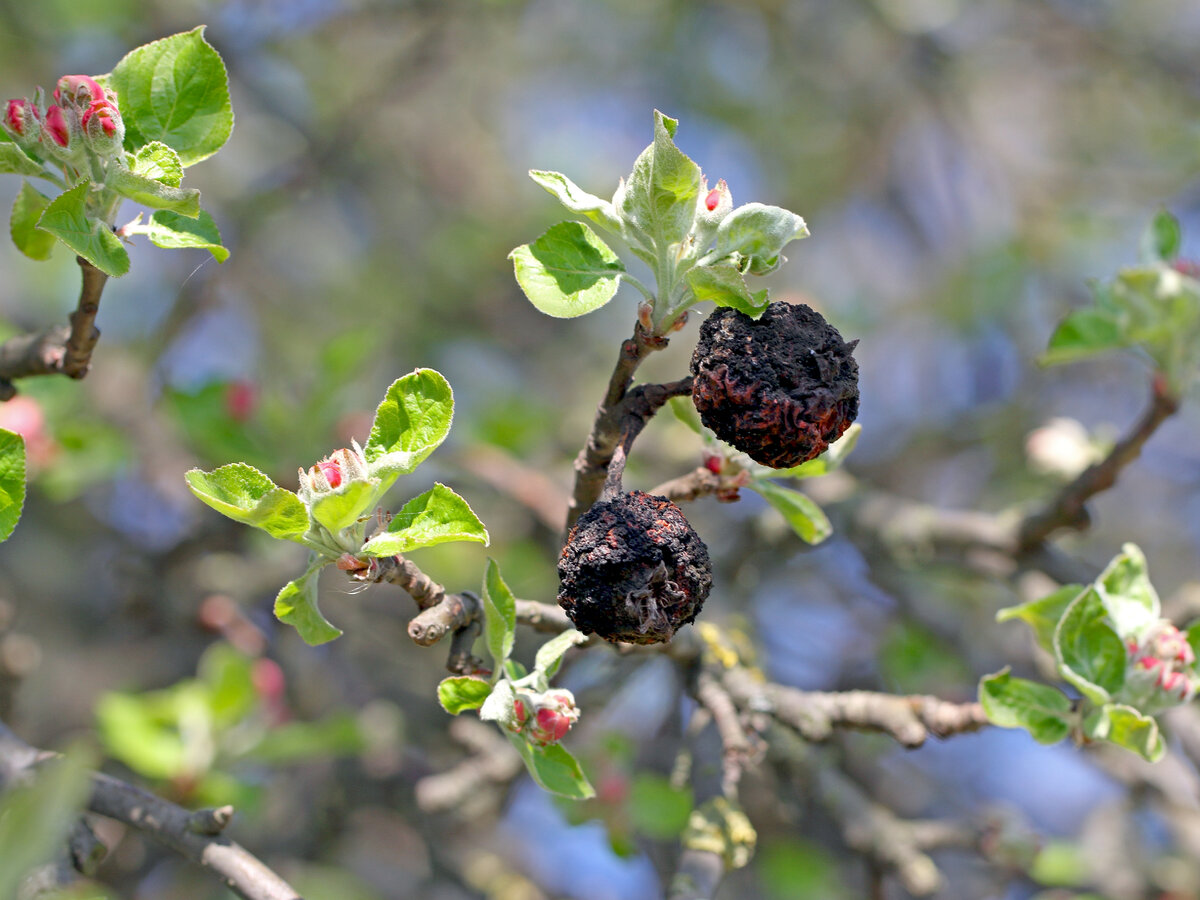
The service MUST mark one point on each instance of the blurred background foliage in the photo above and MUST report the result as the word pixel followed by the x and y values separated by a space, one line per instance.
pixel 964 167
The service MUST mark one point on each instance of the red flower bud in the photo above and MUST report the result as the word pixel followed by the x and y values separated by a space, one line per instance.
pixel 332 470
pixel 80 90
pixel 19 115
pixel 104 113
pixel 713 198
pixel 556 713
pixel 56 126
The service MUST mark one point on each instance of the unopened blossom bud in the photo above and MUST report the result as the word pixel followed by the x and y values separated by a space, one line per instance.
pixel 1161 664
pixel 339 468
pixel 61 133
pixel 22 122
pixel 553 717
pixel 80 91
pixel 711 208
pixel 103 127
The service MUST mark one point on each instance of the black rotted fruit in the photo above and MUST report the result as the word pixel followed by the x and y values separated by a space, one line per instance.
pixel 779 388
pixel 633 570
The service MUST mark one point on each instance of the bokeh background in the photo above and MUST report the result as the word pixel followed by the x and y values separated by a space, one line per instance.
pixel 964 168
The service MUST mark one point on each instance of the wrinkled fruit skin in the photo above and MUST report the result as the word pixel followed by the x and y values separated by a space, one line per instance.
pixel 633 570
pixel 780 388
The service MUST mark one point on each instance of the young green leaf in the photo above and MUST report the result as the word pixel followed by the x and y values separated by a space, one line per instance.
pixel 413 419
pixel 435 517
pixel 66 218
pixel 550 654
pixel 344 505
pixel 831 459
pixel 35 817
pixel 462 692
pixel 12 481
pixel 13 160
pixel 806 518
pixel 1162 239
pixel 569 271
pixel 1043 711
pixel 500 615
pixel 158 161
pixel 685 411
pixel 171 231
pixel 725 286
pixel 1043 614
pixel 1090 655
pixel 659 198
pixel 657 808
pixel 246 495
pixel 27 210
pixel 1129 597
pixel 554 769
pixel 498 706
pixel 175 90
pixel 578 200
pixel 155 194
pixel 759 233
pixel 1126 727
pixel 338 734
pixel 296 605
pixel 1083 333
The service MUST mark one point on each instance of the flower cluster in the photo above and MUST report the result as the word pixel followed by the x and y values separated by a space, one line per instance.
pixel 338 468
pixel 83 119
pixel 544 718
pixel 1162 663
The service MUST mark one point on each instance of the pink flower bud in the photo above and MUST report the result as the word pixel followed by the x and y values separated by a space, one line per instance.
pixel 1187 267
pixel 78 90
pixel 57 128
pixel 713 198
pixel 332 470
pixel 331 473
pixel 21 119
pixel 103 128
pixel 106 116
pixel 556 713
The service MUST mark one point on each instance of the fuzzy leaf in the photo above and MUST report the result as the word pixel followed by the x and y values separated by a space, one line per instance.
pixel 1041 710
pixel 550 654
pixel 659 198
pixel 578 200
pixel 1129 597
pixel 13 160
pixel 175 90
pixel 158 161
pixel 569 271
pixel 1043 614
pixel 66 218
pixel 413 419
pixel 296 605
pixel 1090 654
pixel 343 506
pixel 246 495
pixel 155 194
pixel 435 517
pixel 498 705
pixel 462 692
pixel 759 233
pixel 725 286
pixel 171 231
pixel 807 519
pixel 1128 728
pixel 27 210
pixel 554 769
pixel 831 459
pixel 500 615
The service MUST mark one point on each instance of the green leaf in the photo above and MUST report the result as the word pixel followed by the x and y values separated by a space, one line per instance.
pixel 578 200
pixel 1129 597
pixel 336 735
pixel 759 233
pixel 1043 615
pixel 66 218
pixel 435 517
pixel 1192 633
pixel 171 231
pixel 569 271
pixel 498 706
pixel 158 161
pixel 13 160
pixel 462 692
pixel 410 423
pixel 1090 654
pixel 12 481
pixel 35 818
pixel 659 198
pixel 345 505
pixel 806 518
pixel 1162 239
pixel 1043 711
pixel 554 769
pixel 1128 728
pixel 550 654
pixel 155 194
pixel 143 730
pixel 296 605
pixel 27 210
pixel 227 674
pixel 500 615
pixel 657 809
pixel 724 285
pixel 685 411
pixel 831 459
pixel 1083 333
pixel 246 495
pixel 175 90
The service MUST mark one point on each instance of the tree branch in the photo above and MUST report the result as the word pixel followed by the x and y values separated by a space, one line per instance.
pixel 1068 508
pixel 84 333
pixel 186 832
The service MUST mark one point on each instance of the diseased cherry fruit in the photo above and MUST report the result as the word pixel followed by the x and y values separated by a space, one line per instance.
pixel 779 388
pixel 633 570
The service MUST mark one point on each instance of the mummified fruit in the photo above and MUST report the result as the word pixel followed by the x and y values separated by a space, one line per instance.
pixel 779 388
pixel 633 570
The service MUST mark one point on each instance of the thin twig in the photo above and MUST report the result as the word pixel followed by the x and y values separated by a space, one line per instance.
pixel 1068 509
pixel 84 333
